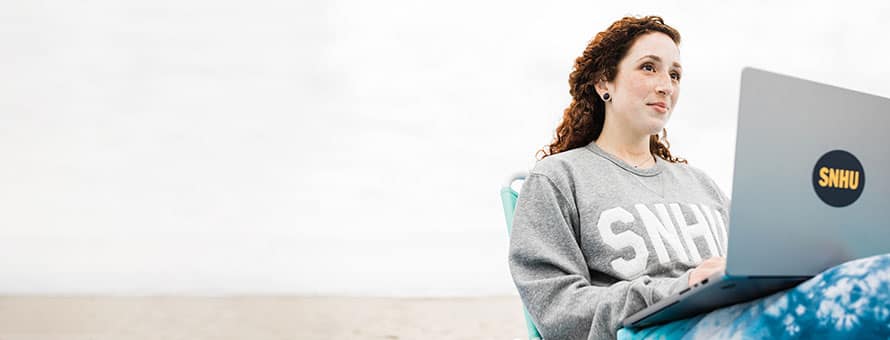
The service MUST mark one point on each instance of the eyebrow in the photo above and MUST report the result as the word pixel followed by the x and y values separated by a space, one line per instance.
pixel 652 56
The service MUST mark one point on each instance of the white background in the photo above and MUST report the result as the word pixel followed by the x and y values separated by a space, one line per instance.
pixel 334 148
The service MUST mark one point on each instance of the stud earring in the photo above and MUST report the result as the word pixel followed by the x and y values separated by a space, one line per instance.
pixel 606 97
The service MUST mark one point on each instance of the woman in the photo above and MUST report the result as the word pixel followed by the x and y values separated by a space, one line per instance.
pixel 609 222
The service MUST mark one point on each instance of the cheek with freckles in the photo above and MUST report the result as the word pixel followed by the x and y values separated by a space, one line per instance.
pixel 641 88
pixel 675 98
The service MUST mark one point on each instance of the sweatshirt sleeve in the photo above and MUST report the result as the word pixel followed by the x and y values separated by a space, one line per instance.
pixel 553 278
pixel 724 200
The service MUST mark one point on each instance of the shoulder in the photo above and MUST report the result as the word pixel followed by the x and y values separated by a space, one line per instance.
pixel 563 169
pixel 692 171
pixel 563 166
pixel 694 174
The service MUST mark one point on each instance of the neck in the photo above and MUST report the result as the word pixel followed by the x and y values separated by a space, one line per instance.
pixel 631 148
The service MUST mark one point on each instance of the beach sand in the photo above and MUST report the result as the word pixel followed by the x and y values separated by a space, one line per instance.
pixel 268 317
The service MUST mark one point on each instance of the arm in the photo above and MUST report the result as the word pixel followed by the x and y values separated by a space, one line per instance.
pixel 552 275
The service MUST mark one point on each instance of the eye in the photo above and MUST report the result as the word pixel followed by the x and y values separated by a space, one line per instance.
pixel 675 76
pixel 648 67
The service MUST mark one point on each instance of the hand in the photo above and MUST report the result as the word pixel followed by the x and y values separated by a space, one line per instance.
pixel 707 268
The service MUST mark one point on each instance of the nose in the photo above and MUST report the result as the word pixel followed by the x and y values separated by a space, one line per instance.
pixel 665 86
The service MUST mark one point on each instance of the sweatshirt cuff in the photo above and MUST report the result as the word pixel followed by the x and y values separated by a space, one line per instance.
pixel 680 283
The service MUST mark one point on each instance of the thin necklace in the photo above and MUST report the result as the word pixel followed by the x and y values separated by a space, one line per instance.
pixel 635 166
pixel 644 161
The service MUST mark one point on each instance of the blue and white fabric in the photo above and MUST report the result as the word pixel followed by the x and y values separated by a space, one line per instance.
pixel 850 301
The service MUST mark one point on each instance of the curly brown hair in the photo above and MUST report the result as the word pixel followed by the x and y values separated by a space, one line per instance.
pixel 582 122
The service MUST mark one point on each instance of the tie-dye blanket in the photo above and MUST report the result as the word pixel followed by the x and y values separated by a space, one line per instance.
pixel 850 301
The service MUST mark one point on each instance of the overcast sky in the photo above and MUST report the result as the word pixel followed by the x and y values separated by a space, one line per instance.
pixel 339 147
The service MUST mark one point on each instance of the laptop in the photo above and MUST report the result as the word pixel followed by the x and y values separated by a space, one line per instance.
pixel 811 190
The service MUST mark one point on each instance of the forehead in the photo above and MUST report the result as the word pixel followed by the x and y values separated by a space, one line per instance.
pixel 655 43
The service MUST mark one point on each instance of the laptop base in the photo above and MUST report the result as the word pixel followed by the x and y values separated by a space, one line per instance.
pixel 713 293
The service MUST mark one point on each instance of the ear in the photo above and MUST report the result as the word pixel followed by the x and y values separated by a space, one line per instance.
pixel 603 87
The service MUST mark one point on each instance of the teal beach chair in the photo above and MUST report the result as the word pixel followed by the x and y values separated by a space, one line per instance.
pixel 508 198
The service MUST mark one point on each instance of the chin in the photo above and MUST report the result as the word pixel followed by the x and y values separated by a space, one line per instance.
pixel 656 129
pixel 658 126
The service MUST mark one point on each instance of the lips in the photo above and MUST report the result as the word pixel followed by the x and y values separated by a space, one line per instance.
pixel 660 107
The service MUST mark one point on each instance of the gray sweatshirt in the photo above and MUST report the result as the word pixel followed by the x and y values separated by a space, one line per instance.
pixel 595 240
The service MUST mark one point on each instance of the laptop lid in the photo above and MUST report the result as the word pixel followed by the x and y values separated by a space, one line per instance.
pixel 811 185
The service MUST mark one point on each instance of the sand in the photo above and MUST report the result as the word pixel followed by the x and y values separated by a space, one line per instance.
pixel 107 318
